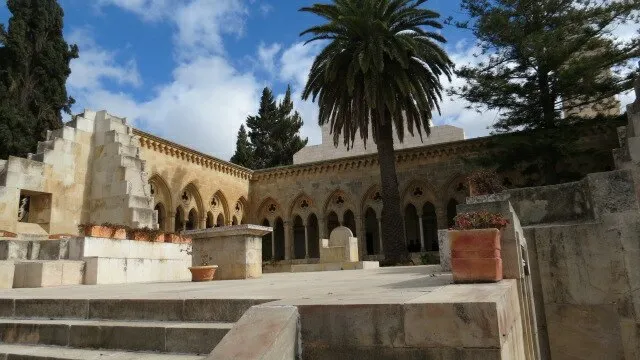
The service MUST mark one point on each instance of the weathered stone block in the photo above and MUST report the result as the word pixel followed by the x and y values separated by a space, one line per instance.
pixel 6 274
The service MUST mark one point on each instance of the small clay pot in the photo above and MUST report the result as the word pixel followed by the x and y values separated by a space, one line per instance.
pixel 203 273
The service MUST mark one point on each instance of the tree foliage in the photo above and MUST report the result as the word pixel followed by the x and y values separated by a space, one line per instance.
pixel 34 66
pixel 545 64
pixel 273 135
pixel 379 70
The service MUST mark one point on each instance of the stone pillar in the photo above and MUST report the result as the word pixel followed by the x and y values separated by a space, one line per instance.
pixel 422 248
pixel 322 231
pixel 203 223
pixel 288 230
pixel 380 235
pixel 359 234
pixel 171 221
pixel 306 242
pixel 273 245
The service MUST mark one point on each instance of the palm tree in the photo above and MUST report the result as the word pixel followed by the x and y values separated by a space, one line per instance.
pixel 380 70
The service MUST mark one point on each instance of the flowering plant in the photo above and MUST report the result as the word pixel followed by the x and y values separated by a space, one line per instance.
pixel 479 220
pixel 485 182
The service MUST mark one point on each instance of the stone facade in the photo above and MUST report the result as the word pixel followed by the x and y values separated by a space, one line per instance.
pixel 328 151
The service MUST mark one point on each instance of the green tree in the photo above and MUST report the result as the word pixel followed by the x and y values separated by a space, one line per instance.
pixel 273 135
pixel 244 150
pixel 380 69
pixel 34 66
pixel 548 63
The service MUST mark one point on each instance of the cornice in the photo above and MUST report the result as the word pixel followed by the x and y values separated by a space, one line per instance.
pixel 172 149
pixel 443 151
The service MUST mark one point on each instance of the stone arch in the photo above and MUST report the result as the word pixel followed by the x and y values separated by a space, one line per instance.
pixel 372 199
pixel 161 212
pixel 419 192
pixel 269 209
pixel 278 238
pixel 220 220
pixel 339 202
pixel 190 198
pixel 162 196
pixel 239 210
pixel 302 205
pixel 234 220
pixel 192 219
pixel 333 221
pixel 456 187
pixel 219 205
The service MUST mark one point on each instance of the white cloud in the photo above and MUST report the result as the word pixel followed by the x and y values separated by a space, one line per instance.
pixel 267 54
pixel 96 65
pixel 295 64
pixel 207 98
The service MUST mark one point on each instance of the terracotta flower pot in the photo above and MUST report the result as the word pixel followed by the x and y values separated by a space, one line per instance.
pixel 203 273
pixel 475 255
pixel 105 232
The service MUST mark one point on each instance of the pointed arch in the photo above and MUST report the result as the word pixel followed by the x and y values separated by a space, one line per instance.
pixel 418 192
pixel 163 200
pixel 457 188
pixel 372 199
pixel 269 209
pixel 219 205
pixel 240 210
pixel 339 202
pixel 190 197
pixel 302 205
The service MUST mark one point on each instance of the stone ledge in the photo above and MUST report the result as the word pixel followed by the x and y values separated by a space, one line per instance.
pixel 236 230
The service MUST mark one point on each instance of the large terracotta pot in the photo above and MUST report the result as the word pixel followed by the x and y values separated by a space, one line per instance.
pixel 203 273
pixel 475 255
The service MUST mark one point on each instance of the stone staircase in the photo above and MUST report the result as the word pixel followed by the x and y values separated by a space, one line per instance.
pixel 120 179
pixel 117 329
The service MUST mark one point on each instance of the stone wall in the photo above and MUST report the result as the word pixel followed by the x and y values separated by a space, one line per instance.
pixel 190 181
pixel 328 151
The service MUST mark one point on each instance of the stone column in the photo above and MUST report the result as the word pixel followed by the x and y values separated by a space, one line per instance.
pixel 288 229
pixel 203 222
pixel 380 235
pixel 273 245
pixel 360 234
pixel 422 248
pixel 322 231
pixel 306 242
pixel 171 221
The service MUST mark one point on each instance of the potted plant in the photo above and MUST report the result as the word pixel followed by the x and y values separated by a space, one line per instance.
pixel 145 234
pixel 484 182
pixel 475 247
pixel 106 230
pixel 205 271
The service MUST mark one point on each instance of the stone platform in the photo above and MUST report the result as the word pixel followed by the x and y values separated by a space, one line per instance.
pixel 385 313
pixel 283 266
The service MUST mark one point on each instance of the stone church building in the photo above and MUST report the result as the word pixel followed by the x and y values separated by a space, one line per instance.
pixel 98 169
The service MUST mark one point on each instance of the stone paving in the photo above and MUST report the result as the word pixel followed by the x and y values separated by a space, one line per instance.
pixel 383 285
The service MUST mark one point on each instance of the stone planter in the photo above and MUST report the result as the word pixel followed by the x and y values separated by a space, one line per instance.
pixel 108 232
pixel 203 273
pixel 475 255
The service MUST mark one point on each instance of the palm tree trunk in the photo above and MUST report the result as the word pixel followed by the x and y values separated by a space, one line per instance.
pixel 393 236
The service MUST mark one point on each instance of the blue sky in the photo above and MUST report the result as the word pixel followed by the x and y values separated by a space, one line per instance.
pixel 192 70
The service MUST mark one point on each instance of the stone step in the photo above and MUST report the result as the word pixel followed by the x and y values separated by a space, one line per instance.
pixel 48 273
pixel 158 336
pixel 21 249
pixel 133 162
pixel 126 150
pixel 65 132
pixel 28 352
pixel 125 139
pixel 196 310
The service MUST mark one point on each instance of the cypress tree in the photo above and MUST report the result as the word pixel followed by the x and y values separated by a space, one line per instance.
pixel 549 64
pixel 34 67
pixel 273 134
pixel 244 150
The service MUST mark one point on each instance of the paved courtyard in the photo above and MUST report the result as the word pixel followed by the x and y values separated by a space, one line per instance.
pixel 383 285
